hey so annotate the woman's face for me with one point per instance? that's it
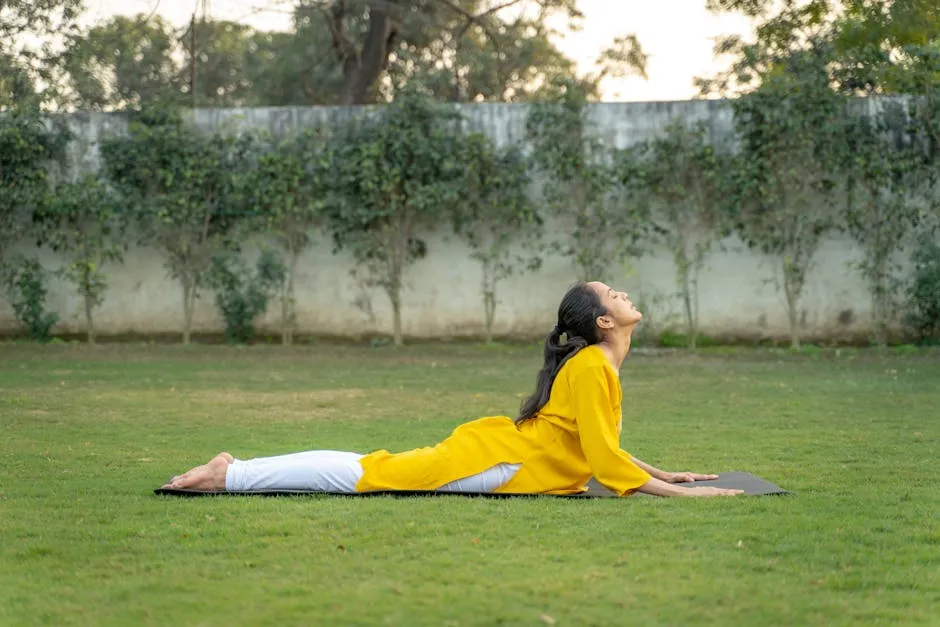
(620, 308)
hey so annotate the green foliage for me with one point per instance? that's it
(461, 49)
(36, 17)
(29, 31)
(16, 83)
(676, 182)
(185, 187)
(887, 46)
(878, 46)
(82, 221)
(923, 293)
(394, 175)
(25, 282)
(480, 55)
(124, 62)
(142, 60)
(287, 193)
(225, 65)
(781, 29)
(495, 214)
(241, 294)
(785, 178)
(352, 52)
(576, 184)
(30, 147)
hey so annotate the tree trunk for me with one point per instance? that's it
(683, 268)
(399, 239)
(691, 330)
(89, 321)
(86, 291)
(189, 298)
(394, 295)
(489, 299)
(288, 305)
(880, 311)
(880, 292)
(792, 294)
(360, 78)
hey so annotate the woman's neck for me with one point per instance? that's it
(616, 347)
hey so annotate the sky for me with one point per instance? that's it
(677, 35)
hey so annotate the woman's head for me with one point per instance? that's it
(587, 314)
(620, 314)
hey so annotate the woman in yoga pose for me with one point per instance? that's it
(566, 432)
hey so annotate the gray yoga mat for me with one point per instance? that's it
(751, 484)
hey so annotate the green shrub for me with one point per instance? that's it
(923, 293)
(25, 283)
(671, 339)
(242, 294)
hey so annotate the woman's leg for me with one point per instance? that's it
(315, 471)
(322, 471)
(487, 481)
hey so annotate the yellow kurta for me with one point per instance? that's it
(574, 436)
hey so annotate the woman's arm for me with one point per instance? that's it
(654, 472)
(657, 487)
(672, 477)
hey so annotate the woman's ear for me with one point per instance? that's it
(604, 322)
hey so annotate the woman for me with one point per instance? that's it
(567, 431)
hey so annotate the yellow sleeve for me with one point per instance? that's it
(597, 428)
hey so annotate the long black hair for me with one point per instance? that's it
(577, 313)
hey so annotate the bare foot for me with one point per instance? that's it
(210, 476)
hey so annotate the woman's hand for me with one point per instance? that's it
(685, 477)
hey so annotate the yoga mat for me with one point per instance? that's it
(751, 484)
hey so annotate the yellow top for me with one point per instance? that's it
(574, 436)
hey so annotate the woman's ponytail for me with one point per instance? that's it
(577, 313)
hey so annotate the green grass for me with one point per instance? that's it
(87, 433)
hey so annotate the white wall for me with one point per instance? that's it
(442, 296)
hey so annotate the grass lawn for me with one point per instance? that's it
(87, 433)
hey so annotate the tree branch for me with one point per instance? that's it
(477, 19)
(345, 50)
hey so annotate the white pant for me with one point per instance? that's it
(335, 471)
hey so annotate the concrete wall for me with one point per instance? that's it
(442, 294)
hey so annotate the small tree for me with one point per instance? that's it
(180, 181)
(790, 132)
(25, 282)
(288, 192)
(394, 175)
(923, 292)
(884, 172)
(676, 178)
(243, 295)
(82, 221)
(495, 216)
(576, 183)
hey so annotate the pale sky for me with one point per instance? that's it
(677, 35)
